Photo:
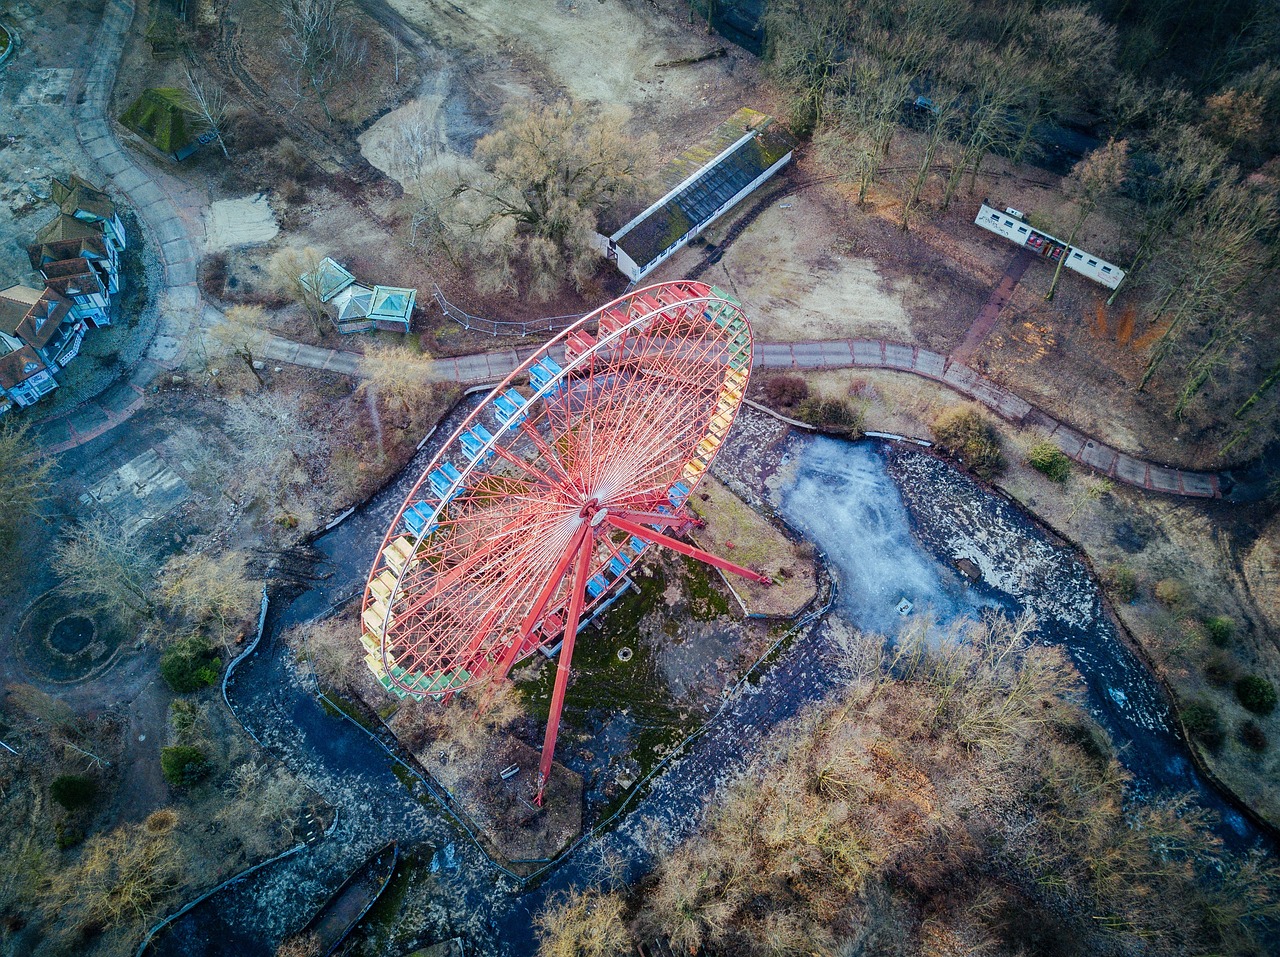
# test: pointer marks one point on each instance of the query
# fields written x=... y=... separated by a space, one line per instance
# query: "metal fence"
x=496 y=327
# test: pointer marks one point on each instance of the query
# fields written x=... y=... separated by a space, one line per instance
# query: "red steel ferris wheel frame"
x=537 y=505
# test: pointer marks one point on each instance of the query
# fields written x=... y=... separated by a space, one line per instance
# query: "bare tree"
x=287 y=269
x=941 y=116
x=414 y=145
x=102 y=564
x=321 y=46
x=1099 y=173
x=401 y=377
x=24 y=481
x=805 y=45
x=548 y=173
x=208 y=102
x=275 y=445
x=1189 y=166
x=1221 y=254
x=120 y=876
x=861 y=126
x=241 y=333
x=589 y=924
x=209 y=589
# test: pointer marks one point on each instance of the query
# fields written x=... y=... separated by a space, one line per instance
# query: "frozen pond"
x=840 y=496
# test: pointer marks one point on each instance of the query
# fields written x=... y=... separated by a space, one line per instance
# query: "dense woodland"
x=1178 y=108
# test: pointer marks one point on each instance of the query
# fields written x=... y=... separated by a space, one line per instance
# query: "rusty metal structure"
x=531 y=514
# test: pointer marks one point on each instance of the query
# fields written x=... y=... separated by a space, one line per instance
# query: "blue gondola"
x=417 y=515
x=474 y=440
x=596 y=584
x=510 y=407
x=679 y=492
x=442 y=478
x=543 y=371
x=617 y=565
x=638 y=544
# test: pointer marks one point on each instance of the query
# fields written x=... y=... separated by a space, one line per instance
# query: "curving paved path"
x=183 y=311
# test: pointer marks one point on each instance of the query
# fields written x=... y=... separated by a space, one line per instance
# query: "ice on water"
x=843 y=500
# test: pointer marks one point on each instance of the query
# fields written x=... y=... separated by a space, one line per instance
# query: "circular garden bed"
x=60 y=641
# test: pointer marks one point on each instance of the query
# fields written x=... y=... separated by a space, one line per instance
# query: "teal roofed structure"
x=327 y=280
x=392 y=307
x=691 y=206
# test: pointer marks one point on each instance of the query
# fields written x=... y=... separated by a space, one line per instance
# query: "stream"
x=891 y=522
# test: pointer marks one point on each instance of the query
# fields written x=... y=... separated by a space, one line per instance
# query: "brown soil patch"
x=741 y=534
x=504 y=809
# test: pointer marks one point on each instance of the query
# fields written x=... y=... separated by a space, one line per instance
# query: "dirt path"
x=990 y=312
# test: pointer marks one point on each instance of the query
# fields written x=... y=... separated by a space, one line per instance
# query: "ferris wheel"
x=531 y=515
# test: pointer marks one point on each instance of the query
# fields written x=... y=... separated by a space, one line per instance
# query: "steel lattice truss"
x=534 y=510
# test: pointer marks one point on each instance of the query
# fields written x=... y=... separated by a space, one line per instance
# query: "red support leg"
x=563 y=662
x=657 y=538
x=540 y=605
x=662 y=519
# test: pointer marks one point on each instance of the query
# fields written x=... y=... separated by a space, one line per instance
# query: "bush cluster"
x=1123 y=582
x=73 y=791
x=1171 y=593
x=963 y=432
x=190 y=664
x=1220 y=630
x=1203 y=722
x=831 y=415
x=1049 y=460
x=183 y=765
x=1257 y=694
x=787 y=391
x=1252 y=736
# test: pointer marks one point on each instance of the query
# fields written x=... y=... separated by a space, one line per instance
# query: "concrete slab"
x=930 y=363
x=181 y=274
x=140 y=491
x=899 y=356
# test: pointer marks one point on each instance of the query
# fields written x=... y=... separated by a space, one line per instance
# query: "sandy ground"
x=494 y=55
x=239 y=222
x=798 y=279
x=600 y=51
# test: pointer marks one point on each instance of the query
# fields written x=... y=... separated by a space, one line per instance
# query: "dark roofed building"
x=80 y=283
x=664 y=228
x=63 y=227
x=24 y=377
x=82 y=200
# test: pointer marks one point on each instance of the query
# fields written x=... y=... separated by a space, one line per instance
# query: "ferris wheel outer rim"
x=520 y=372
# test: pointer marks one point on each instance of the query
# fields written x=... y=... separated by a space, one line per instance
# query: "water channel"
x=891 y=523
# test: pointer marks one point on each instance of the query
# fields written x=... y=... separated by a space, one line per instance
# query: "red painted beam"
x=532 y=619
x=657 y=538
x=564 y=661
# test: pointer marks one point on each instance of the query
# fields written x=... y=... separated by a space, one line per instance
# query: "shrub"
x=1257 y=694
x=962 y=432
x=190 y=664
x=785 y=390
x=1051 y=461
x=1203 y=722
x=1220 y=630
x=1123 y=582
x=1252 y=736
x=73 y=791
x=831 y=415
x=1221 y=670
x=183 y=765
x=1171 y=593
